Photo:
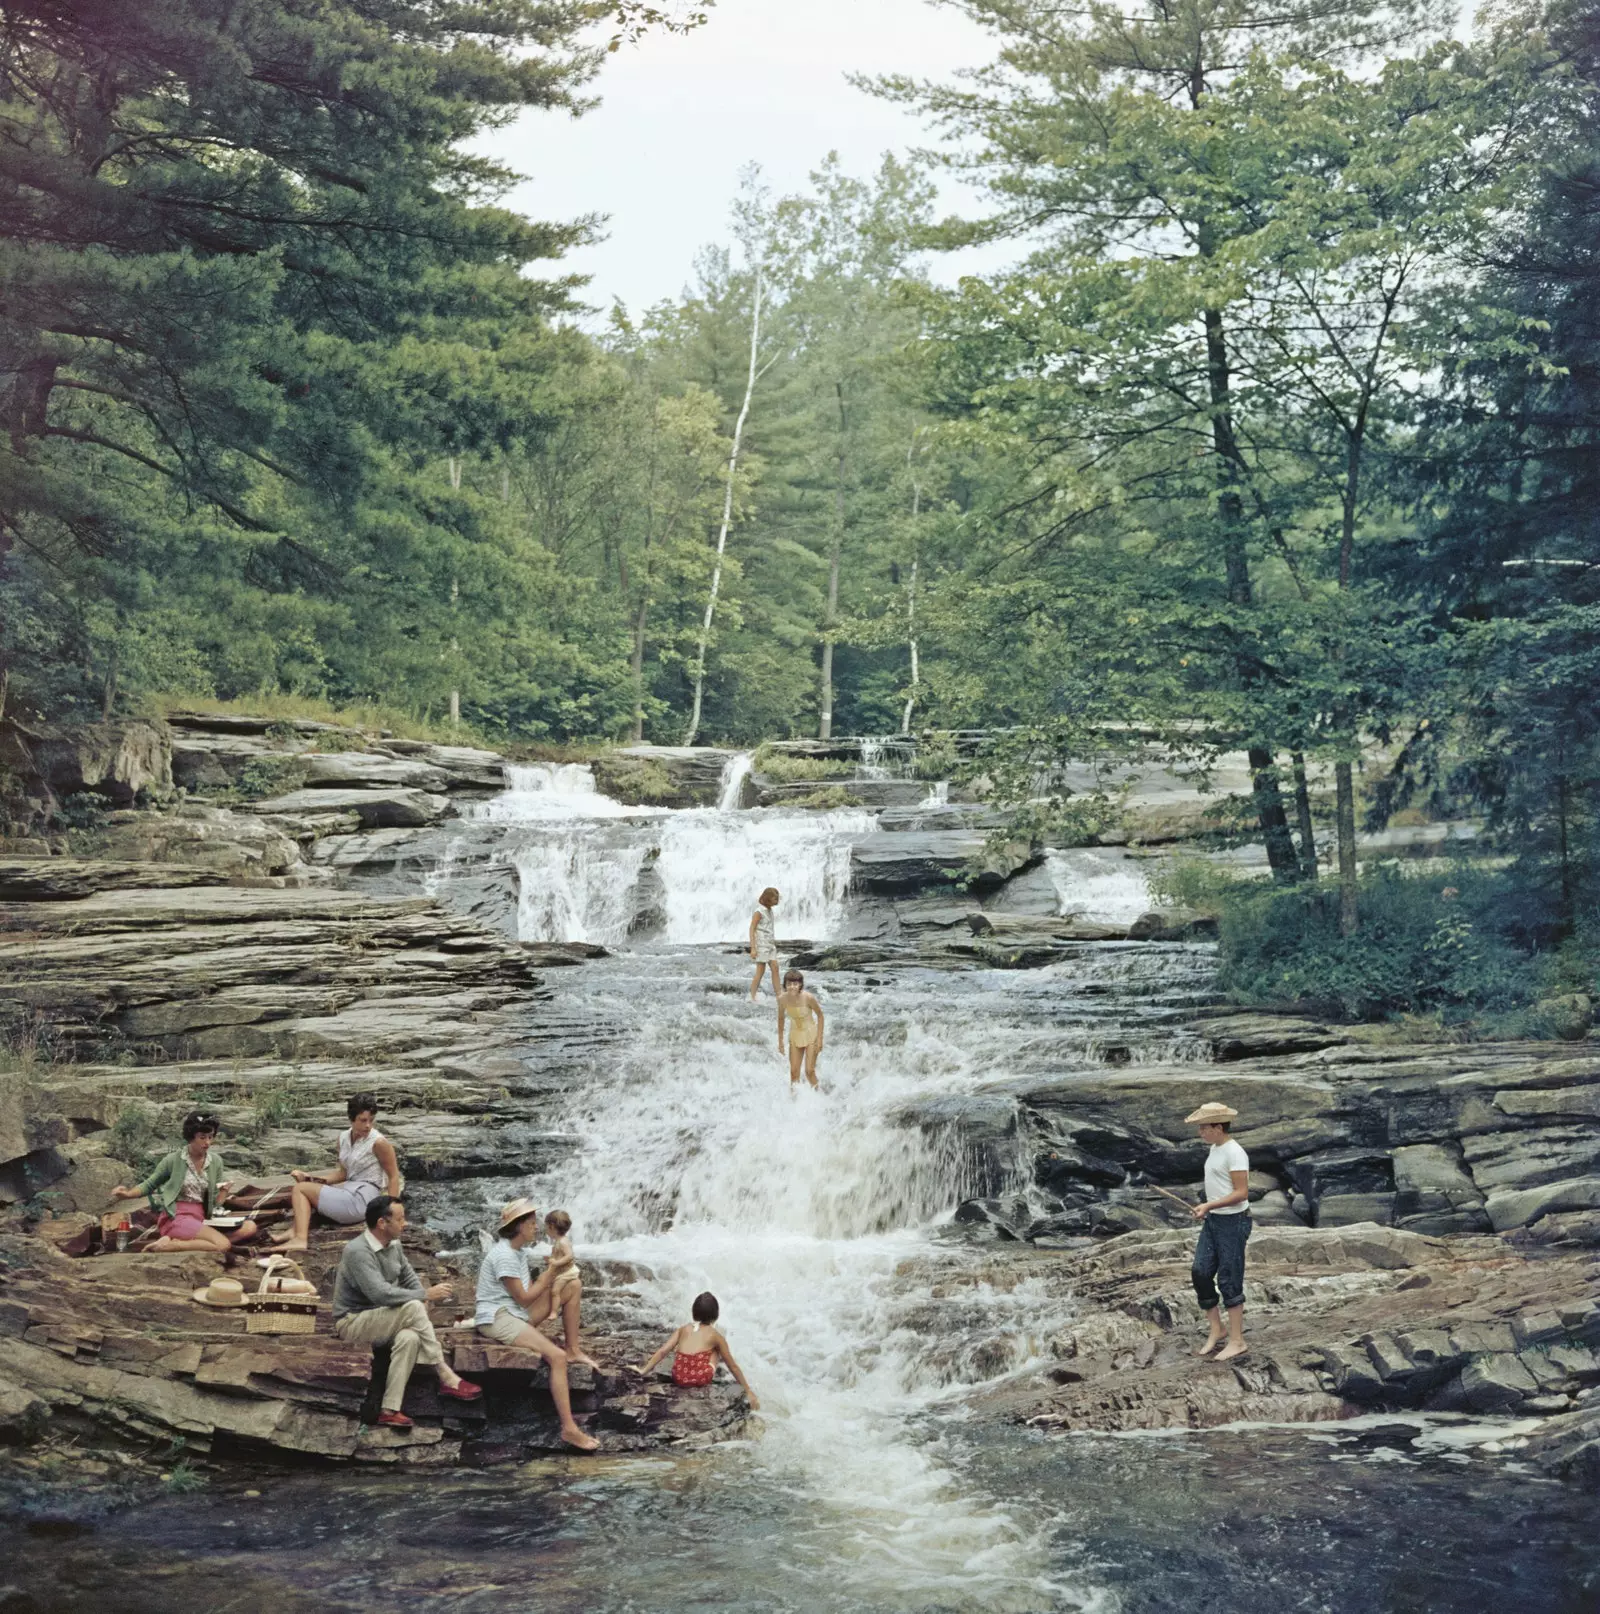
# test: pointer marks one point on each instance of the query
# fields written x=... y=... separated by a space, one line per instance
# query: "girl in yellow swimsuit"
x=802 y=1015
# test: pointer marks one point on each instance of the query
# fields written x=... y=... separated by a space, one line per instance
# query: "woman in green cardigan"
x=187 y=1187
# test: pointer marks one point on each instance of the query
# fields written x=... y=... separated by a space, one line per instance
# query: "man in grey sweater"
x=378 y=1299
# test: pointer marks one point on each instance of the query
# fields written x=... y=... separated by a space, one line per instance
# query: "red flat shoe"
x=394 y=1420
x=464 y=1391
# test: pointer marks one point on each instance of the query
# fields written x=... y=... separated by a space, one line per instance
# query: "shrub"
x=1444 y=943
x=270 y=776
x=784 y=769
x=639 y=783
x=140 y=1135
x=1194 y=882
x=273 y=1103
x=828 y=796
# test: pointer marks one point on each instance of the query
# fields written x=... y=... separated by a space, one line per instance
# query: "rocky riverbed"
x=1427 y=1213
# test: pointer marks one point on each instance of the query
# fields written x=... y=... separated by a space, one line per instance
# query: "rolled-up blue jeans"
x=1219 y=1259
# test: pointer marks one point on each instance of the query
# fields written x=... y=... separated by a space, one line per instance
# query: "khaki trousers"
x=409 y=1336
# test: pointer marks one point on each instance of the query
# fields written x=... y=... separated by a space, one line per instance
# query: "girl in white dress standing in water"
x=764 y=941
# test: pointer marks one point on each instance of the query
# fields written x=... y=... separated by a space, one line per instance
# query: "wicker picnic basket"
x=277 y=1309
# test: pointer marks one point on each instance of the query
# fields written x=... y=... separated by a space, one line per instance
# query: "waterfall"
x=886 y=757
x=543 y=790
x=1099 y=883
x=733 y=778
x=569 y=888
x=809 y=1215
x=713 y=866
x=590 y=869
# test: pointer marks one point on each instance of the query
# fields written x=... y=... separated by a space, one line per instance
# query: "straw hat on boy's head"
x=1211 y=1113
x=515 y=1211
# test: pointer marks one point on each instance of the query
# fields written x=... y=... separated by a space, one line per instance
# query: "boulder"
x=66 y=879
x=1061 y=1167
x=467 y=767
x=1007 y=1218
x=1521 y=1208
x=1529 y=1157
x=1173 y=924
x=1342 y=1171
x=1569 y=1017
x=901 y=862
x=1497 y=1382
x=1434 y=1193
x=1568 y=1446
x=361 y=769
x=23 y=1415
x=662 y=775
x=1351 y=1210
x=1263 y=1036
x=376 y=809
x=118 y=761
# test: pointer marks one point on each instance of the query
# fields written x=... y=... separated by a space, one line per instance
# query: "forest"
x=1281 y=435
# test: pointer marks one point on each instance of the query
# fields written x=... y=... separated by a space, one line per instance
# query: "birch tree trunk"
x=727 y=515
x=825 y=726
x=911 y=594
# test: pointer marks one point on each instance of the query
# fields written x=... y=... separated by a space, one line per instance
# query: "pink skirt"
x=187 y=1218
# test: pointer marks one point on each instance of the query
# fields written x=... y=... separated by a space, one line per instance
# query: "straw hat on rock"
x=223 y=1292
x=1211 y=1113
x=515 y=1211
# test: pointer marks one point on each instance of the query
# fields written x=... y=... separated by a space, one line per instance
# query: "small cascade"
x=571 y=887
x=886 y=757
x=713 y=866
x=730 y=797
x=809 y=1216
x=543 y=790
x=1098 y=883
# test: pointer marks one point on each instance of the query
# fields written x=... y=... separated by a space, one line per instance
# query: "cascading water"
x=733 y=777
x=805 y=1212
x=1099 y=883
x=885 y=758
x=713 y=866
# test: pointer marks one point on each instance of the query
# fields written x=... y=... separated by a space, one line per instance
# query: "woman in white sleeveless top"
x=367 y=1167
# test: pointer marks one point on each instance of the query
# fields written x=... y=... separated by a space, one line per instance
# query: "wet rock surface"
x=1339 y=1322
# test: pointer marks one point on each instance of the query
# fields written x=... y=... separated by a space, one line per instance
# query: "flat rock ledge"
x=114 y=1350
x=1339 y=1322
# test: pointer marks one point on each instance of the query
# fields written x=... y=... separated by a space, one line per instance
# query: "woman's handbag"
x=285 y=1303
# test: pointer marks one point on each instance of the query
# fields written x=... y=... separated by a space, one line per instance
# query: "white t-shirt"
x=1224 y=1159
x=500 y=1261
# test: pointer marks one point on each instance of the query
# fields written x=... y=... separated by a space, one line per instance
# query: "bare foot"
x=579 y=1441
x=583 y=1359
x=163 y=1243
x=1232 y=1351
x=1211 y=1345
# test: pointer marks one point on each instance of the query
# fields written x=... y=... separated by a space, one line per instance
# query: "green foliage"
x=273 y=1103
x=141 y=1134
x=270 y=776
x=184 y=1479
x=829 y=796
x=1197 y=883
x=641 y=784
x=1456 y=945
x=785 y=768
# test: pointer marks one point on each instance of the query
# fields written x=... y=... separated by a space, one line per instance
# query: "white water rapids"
x=816 y=1218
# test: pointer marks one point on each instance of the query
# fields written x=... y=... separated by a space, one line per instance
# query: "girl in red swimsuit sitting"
x=698 y=1346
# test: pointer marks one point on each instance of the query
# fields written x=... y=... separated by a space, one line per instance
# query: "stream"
x=822 y=1221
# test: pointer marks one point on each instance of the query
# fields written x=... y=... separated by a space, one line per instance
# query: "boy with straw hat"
x=1224 y=1215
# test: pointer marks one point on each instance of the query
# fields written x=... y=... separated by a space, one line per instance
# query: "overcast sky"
x=764 y=81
